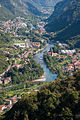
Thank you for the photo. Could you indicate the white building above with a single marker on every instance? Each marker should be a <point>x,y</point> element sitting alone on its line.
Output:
<point>21,45</point>
<point>2,108</point>
<point>68,51</point>
<point>8,102</point>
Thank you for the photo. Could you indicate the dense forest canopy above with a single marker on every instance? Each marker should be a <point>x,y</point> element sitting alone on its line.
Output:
<point>4,39</point>
<point>58,100</point>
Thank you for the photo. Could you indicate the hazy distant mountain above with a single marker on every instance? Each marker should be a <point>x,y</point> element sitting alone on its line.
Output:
<point>46,3</point>
<point>65,19</point>
<point>17,7</point>
<point>24,7</point>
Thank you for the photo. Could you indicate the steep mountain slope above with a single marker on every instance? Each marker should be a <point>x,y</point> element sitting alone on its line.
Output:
<point>5,13</point>
<point>59,100</point>
<point>33,9</point>
<point>65,19</point>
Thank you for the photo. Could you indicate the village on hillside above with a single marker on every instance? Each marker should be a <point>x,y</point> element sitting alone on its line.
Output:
<point>25,41</point>
<point>22,44</point>
<point>63,59</point>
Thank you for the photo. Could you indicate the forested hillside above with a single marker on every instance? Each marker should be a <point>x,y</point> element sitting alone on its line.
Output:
<point>4,39</point>
<point>3,63</point>
<point>58,100</point>
<point>65,19</point>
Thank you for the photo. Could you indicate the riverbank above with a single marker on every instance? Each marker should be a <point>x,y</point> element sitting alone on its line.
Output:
<point>39,59</point>
<point>41,49</point>
<point>41,79</point>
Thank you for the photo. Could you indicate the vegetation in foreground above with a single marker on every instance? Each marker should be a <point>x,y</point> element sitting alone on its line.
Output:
<point>58,100</point>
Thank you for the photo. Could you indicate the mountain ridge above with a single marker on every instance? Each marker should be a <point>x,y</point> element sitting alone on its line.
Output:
<point>25,7</point>
<point>65,20</point>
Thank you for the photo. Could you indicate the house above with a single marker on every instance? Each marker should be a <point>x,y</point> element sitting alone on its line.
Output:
<point>8,102</point>
<point>2,108</point>
<point>70,67</point>
<point>14,100</point>
<point>54,54</point>
<point>64,57</point>
<point>78,54</point>
<point>6,58</point>
<point>59,57</point>
<point>37,31</point>
<point>60,45</point>
<point>21,45</point>
<point>49,53</point>
<point>18,59</point>
<point>17,65</point>
<point>36,44</point>
<point>75,63</point>
<point>70,54</point>
<point>7,80</point>
<point>5,52</point>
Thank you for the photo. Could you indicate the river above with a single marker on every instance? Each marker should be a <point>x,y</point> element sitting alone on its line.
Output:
<point>39,59</point>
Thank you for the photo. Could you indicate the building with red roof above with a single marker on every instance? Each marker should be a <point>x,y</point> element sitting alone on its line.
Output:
<point>2,108</point>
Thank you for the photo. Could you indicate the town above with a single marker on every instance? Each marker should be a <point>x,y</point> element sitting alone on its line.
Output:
<point>62,59</point>
<point>26,39</point>
<point>21,46</point>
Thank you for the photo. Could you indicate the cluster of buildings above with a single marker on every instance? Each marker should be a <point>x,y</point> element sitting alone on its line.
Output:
<point>53,54</point>
<point>21,56</point>
<point>12,26</point>
<point>70,59</point>
<point>16,57</point>
<point>15,24</point>
<point>68,51</point>
<point>73,66</point>
<point>22,44</point>
<point>41,25</point>
<point>36,44</point>
<point>5,81</point>
<point>9,103</point>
